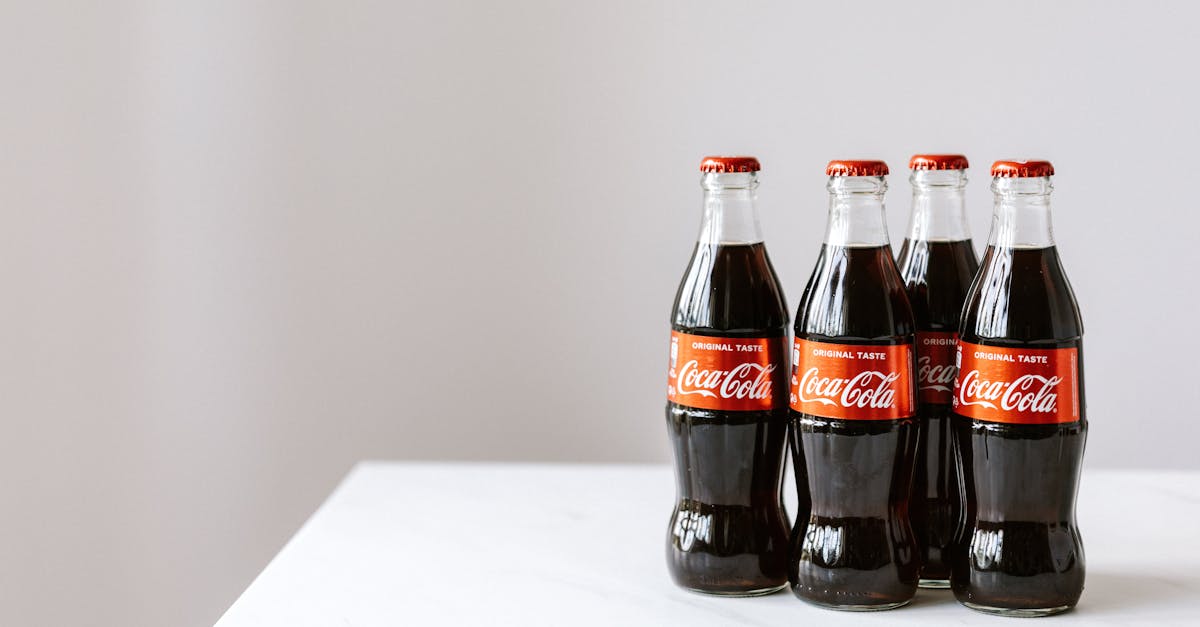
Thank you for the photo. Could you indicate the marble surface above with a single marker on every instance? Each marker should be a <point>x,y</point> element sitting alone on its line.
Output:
<point>419,544</point>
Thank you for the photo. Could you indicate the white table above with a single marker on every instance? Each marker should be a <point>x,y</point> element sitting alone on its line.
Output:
<point>419,543</point>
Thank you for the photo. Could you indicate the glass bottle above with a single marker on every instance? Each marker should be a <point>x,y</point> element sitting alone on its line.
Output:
<point>1020,419</point>
<point>853,409</point>
<point>726,398</point>
<point>937,262</point>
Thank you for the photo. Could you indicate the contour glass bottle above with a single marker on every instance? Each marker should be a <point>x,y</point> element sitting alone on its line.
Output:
<point>1020,418</point>
<point>853,409</point>
<point>727,398</point>
<point>937,262</point>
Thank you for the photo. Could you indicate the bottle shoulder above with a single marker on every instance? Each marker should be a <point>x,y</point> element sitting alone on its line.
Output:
<point>730,290</point>
<point>937,276</point>
<point>1022,296</point>
<point>855,294</point>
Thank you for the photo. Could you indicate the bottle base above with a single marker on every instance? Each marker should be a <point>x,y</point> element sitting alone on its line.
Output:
<point>1018,612</point>
<point>858,608</point>
<point>934,584</point>
<point>755,592</point>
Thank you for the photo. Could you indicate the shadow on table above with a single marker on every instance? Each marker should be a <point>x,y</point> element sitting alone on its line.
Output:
<point>1106,591</point>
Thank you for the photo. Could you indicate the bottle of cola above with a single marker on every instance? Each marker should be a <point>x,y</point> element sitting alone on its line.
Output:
<point>1019,412</point>
<point>937,262</point>
<point>853,427</point>
<point>726,398</point>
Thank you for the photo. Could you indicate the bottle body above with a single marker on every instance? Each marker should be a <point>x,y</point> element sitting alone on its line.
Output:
<point>853,431</point>
<point>1020,420</point>
<point>937,263</point>
<point>726,413</point>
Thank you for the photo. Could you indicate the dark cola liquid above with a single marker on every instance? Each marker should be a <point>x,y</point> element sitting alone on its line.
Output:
<point>728,533</point>
<point>937,276</point>
<point>854,548</point>
<point>1022,552</point>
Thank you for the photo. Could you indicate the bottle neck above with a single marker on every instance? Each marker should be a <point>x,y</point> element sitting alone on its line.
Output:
<point>730,209</point>
<point>856,212</point>
<point>939,208</point>
<point>1021,218</point>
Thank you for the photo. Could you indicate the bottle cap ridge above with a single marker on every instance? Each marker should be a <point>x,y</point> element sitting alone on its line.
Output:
<point>846,167</point>
<point>722,165</point>
<point>1011,169</point>
<point>938,162</point>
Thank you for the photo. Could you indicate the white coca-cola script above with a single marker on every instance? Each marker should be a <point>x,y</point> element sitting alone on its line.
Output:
<point>1029,393</point>
<point>745,380</point>
<point>870,388</point>
<point>931,376</point>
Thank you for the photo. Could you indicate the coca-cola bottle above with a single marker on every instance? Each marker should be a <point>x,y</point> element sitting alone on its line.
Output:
<point>1019,412</point>
<point>726,398</point>
<point>937,262</point>
<point>853,409</point>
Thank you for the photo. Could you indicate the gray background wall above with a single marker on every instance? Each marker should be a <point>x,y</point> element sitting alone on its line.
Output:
<point>245,244</point>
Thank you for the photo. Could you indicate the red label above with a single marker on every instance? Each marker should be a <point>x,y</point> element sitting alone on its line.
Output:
<point>1017,385</point>
<point>852,382</point>
<point>935,366</point>
<point>729,374</point>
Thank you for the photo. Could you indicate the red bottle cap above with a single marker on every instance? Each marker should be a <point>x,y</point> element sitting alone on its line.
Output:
<point>840,167</point>
<point>729,164</point>
<point>938,162</point>
<point>1022,169</point>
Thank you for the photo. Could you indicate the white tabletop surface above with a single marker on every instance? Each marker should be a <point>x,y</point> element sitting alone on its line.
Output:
<point>462,544</point>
